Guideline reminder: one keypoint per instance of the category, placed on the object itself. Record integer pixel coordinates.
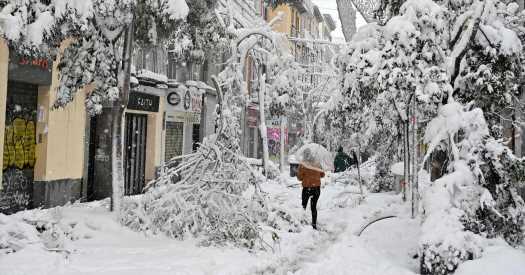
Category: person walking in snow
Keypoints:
(342, 161)
(310, 174)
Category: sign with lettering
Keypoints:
(183, 99)
(30, 69)
(173, 98)
(143, 102)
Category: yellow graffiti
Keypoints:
(19, 145)
(19, 127)
(9, 147)
(29, 144)
(8, 139)
(19, 155)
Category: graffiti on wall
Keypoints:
(16, 191)
(19, 158)
(19, 144)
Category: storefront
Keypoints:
(25, 76)
(42, 148)
(188, 117)
(142, 143)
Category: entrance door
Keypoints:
(135, 153)
(91, 160)
(19, 147)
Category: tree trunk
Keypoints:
(406, 160)
(347, 16)
(262, 127)
(282, 141)
(117, 158)
(415, 159)
(358, 168)
(117, 125)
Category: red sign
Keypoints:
(42, 63)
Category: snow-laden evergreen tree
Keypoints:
(448, 57)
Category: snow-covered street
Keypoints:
(93, 242)
(106, 247)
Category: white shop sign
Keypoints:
(182, 99)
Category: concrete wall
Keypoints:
(4, 61)
(154, 142)
(60, 135)
(59, 167)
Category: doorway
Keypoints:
(19, 147)
(135, 153)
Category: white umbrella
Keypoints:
(318, 153)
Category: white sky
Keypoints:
(330, 7)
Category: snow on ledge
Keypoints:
(149, 75)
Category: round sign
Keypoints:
(187, 100)
(173, 98)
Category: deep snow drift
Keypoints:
(89, 240)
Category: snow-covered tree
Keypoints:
(447, 57)
(201, 34)
(214, 194)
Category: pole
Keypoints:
(262, 127)
(358, 168)
(282, 141)
(406, 160)
(415, 158)
(117, 121)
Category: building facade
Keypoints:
(42, 148)
(309, 36)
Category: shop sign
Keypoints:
(196, 103)
(34, 70)
(185, 100)
(143, 102)
(173, 98)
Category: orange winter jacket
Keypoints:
(310, 176)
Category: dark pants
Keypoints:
(313, 192)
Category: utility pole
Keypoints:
(262, 127)
(282, 141)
